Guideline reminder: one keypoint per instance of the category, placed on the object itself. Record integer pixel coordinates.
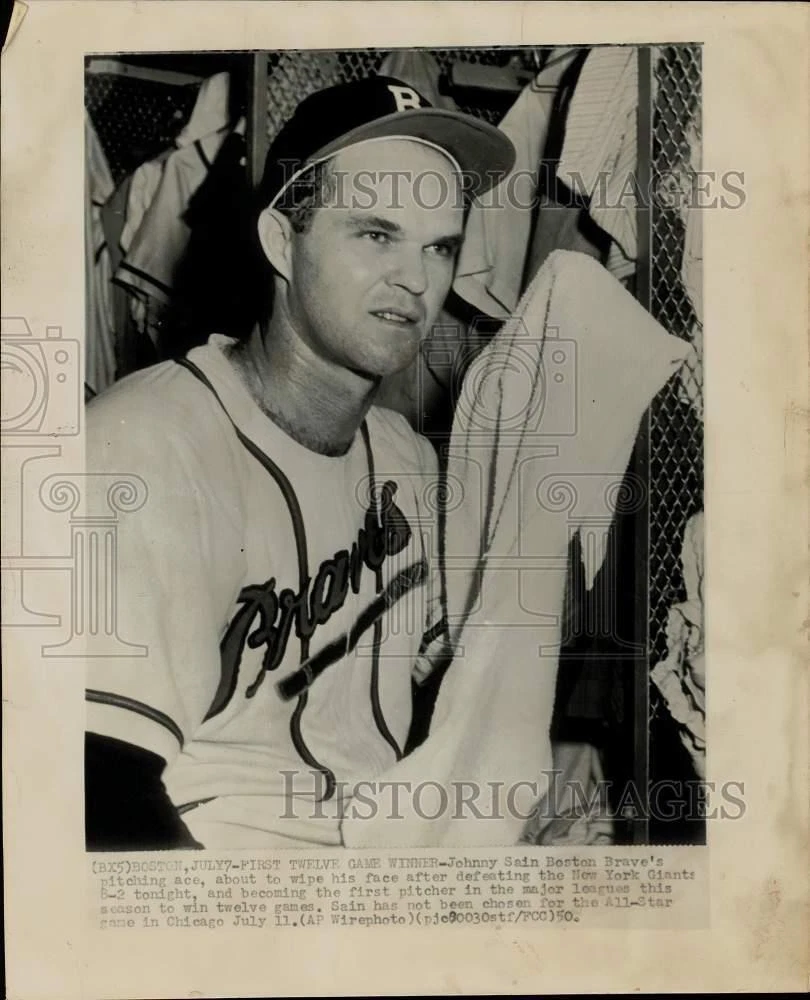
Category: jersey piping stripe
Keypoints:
(376, 706)
(149, 278)
(201, 153)
(283, 483)
(131, 705)
(303, 569)
(188, 806)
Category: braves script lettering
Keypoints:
(267, 616)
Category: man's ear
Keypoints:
(275, 236)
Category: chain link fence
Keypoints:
(676, 417)
(293, 75)
(135, 119)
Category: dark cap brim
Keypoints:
(484, 153)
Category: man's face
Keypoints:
(368, 277)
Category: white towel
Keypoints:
(541, 440)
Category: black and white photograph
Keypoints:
(398, 355)
(400, 594)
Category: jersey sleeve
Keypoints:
(175, 565)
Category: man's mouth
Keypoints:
(396, 316)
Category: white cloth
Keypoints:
(100, 338)
(576, 809)
(599, 154)
(211, 110)
(540, 442)
(490, 267)
(142, 189)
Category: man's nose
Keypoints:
(408, 270)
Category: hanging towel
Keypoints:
(540, 445)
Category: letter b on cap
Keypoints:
(405, 97)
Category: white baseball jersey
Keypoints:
(251, 557)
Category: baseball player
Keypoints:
(281, 574)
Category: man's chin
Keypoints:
(387, 366)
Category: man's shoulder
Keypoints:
(157, 411)
(400, 441)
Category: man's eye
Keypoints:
(377, 236)
(443, 249)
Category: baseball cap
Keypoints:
(379, 107)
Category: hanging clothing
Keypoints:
(561, 220)
(143, 185)
(133, 350)
(599, 155)
(210, 114)
(681, 677)
(219, 282)
(419, 69)
(100, 328)
(563, 225)
(211, 111)
(542, 435)
(491, 263)
(147, 262)
(147, 270)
